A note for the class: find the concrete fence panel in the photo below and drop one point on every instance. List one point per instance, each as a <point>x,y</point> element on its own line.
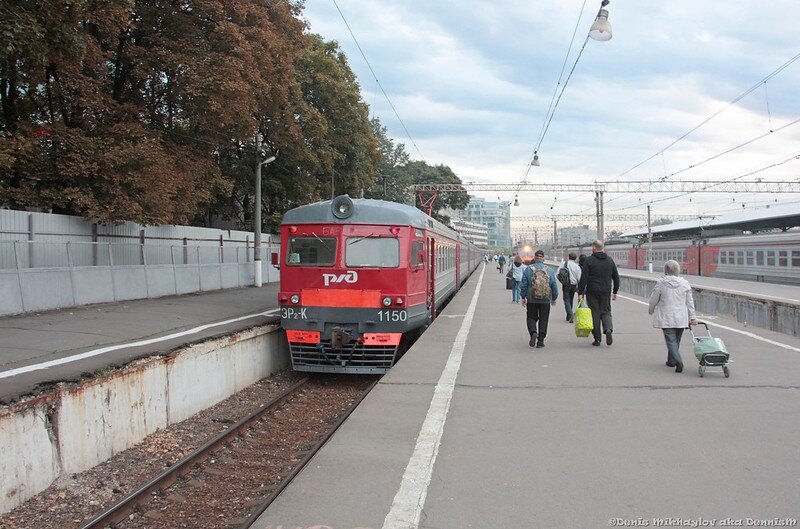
<point>187,279</point>
<point>130,282</point>
<point>46,289</point>
<point>93,285</point>
<point>10,293</point>
<point>160,280</point>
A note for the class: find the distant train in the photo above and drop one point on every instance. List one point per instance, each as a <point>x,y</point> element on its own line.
<point>360,276</point>
<point>525,251</point>
<point>770,258</point>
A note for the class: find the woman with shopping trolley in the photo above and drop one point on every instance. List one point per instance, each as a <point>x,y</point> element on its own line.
<point>672,308</point>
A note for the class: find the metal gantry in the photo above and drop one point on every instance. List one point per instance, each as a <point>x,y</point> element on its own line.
<point>627,186</point>
<point>630,186</point>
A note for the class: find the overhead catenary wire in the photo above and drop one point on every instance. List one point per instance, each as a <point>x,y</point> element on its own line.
<point>715,114</point>
<point>643,189</point>
<point>551,108</point>
<point>374,76</point>
<point>795,156</point>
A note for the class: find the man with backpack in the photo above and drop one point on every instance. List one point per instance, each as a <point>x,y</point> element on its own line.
<point>539,291</point>
<point>569,275</point>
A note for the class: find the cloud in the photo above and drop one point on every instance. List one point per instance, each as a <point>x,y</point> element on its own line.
<point>472,81</point>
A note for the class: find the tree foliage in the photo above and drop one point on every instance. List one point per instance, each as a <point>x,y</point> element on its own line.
<point>150,110</point>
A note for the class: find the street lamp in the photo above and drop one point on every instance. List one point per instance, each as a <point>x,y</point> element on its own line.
<point>257,220</point>
<point>601,29</point>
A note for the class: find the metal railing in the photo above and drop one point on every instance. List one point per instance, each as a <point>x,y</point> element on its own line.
<point>20,255</point>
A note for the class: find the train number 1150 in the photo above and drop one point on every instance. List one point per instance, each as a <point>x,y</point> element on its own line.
<point>392,315</point>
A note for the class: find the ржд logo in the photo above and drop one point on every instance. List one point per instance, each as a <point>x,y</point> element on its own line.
<point>348,277</point>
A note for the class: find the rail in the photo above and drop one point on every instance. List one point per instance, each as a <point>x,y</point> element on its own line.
<point>119,511</point>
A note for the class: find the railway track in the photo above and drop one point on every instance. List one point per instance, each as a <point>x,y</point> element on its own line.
<point>228,481</point>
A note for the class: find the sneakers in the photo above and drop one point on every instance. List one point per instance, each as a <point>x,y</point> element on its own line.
<point>670,364</point>
<point>596,342</point>
<point>539,345</point>
<point>532,343</point>
<point>679,368</point>
<point>609,339</point>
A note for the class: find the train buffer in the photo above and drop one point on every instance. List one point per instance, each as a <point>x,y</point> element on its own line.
<point>473,428</point>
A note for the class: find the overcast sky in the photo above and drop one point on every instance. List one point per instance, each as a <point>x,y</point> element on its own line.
<point>472,81</point>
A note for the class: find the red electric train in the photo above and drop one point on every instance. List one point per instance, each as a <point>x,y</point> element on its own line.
<point>767,257</point>
<point>360,276</point>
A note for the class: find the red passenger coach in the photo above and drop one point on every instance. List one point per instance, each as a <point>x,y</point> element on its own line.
<point>359,277</point>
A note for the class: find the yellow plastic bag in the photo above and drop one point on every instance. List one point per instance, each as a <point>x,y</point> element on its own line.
<point>583,320</point>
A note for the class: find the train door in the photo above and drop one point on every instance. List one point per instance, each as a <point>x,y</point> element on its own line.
<point>458,265</point>
<point>432,264</point>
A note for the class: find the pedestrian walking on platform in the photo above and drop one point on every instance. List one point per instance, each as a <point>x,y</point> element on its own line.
<point>539,292</point>
<point>599,282</point>
<point>569,275</point>
<point>501,263</point>
<point>517,270</point>
<point>672,308</point>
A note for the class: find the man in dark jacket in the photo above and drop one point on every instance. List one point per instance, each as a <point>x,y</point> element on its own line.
<point>598,274</point>
<point>538,308</point>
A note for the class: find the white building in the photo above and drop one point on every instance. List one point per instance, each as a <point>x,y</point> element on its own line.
<point>472,231</point>
<point>496,216</point>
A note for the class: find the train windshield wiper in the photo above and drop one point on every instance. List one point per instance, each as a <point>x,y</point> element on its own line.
<point>323,242</point>
<point>354,241</point>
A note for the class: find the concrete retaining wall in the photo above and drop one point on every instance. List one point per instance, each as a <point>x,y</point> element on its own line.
<point>39,289</point>
<point>75,427</point>
<point>763,312</point>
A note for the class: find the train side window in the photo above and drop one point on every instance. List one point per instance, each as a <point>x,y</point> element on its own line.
<point>783,258</point>
<point>723,257</point>
<point>381,252</point>
<point>770,258</point>
<point>796,259</point>
<point>417,253</point>
<point>311,251</point>
<point>760,257</point>
<point>739,257</point>
<point>749,257</point>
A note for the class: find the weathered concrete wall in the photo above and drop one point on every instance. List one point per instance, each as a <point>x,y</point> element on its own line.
<point>763,312</point>
<point>75,427</point>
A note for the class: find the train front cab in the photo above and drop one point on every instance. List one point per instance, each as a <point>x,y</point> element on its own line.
<point>350,292</point>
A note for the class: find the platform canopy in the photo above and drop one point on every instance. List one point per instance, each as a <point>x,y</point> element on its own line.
<point>782,217</point>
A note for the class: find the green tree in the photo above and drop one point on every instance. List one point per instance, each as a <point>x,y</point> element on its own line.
<point>422,173</point>
<point>391,179</point>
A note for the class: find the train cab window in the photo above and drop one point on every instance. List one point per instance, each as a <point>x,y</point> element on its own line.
<point>417,253</point>
<point>783,258</point>
<point>311,251</point>
<point>381,252</point>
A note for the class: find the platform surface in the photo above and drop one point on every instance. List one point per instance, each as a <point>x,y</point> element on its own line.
<point>785,293</point>
<point>32,340</point>
<point>566,436</point>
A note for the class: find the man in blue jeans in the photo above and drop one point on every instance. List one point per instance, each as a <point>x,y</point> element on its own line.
<point>539,292</point>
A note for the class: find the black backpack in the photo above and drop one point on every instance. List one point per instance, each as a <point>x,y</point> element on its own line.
<point>563,276</point>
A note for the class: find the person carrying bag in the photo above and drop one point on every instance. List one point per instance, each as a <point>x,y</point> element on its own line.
<point>583,320</point>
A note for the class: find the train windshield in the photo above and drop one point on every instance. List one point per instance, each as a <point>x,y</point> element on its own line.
<point>311,251</point>
<point>382,252</point>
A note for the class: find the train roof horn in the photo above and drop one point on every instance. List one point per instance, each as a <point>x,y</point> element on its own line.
<point>342,206</point>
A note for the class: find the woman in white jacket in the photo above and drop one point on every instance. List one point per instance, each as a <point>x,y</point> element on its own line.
<point>516,269</point>
<point>672,307</point>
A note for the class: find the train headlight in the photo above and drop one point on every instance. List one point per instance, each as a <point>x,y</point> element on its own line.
<point>387,301</point>
<point>295,299</point>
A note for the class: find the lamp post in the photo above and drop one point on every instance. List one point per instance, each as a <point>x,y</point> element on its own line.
<point>257,220</point>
